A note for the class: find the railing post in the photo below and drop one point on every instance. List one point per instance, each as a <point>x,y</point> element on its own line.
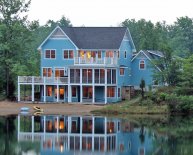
<point>32,88</point>
<point>105,86</point>
<point>18,89</point>
<point>44,89</point>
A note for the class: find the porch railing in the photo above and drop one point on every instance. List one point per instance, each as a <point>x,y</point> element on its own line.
<point>42,80</point>
<point>93,61</point>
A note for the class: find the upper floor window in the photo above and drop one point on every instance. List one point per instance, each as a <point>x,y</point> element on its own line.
<point>109,54</point>
<point>68,54</point>
<point>117,54</point>
<point>99,54</point>
<point>50,54</point>
<point>47,72</point>
<point>125,54</point>
<point>141,64</point>
<point>122,71</point>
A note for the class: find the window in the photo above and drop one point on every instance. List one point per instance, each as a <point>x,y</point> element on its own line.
<point>110,91</point>
<point>119,92</point>
<point>50,54</point>
<point>47,72</point>
<point>73,91</point>
<point>122,71</point>
<point>99,54</point>
<point>59,72</point>
<point>117,54</point>
<point>125,54</point>
<point>109,54</point>
<point>141,64</point>
<point>49,91</point>
<point>68,54</point>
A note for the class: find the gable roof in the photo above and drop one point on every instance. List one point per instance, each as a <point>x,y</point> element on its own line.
<point>149,54</point>
<point>96,37</point>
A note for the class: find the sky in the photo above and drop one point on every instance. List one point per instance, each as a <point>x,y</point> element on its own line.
<point>109,12</point>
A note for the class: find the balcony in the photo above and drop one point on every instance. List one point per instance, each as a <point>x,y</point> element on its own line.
<point>95,61</point>
<point>42,80</point>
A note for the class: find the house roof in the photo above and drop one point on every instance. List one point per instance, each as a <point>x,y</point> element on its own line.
<point>96,37</point>
<point>149,54</point>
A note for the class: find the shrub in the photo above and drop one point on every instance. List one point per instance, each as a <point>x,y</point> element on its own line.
<point>184,91</point>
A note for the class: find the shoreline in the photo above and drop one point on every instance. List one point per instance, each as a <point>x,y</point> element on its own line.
<point>13,108</point>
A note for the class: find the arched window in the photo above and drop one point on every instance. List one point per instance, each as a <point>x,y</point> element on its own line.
<point>141,64</point>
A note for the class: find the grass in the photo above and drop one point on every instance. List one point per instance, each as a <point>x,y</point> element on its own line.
<point>132,107</point>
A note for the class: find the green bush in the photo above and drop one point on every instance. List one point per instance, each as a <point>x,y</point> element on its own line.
<point>182,104</point>
<point>184,91</point>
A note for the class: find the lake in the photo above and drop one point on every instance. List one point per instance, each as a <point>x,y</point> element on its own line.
<point>95,135</point>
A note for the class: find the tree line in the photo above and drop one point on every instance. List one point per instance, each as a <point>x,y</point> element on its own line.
<point>19,39</point>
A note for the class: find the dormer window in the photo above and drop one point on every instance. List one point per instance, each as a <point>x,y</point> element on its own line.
<point>141,64</point>
<point>50,54</point>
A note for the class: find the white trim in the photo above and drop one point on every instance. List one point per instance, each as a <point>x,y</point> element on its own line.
<point>50,54</point>
<point>68,54</point>
<point>58,27</point>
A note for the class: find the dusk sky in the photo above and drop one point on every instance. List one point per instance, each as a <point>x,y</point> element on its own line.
<point>109,12</point>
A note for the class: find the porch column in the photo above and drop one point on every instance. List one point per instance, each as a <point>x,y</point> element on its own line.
<point>93,124</point>
<point>44,90</point>
<point>80,133</point>
<point>32,88</point>
<point>69,94</point>
<point>18,127</point>
<point>32,119</point>
<point>69,87</point>
<point>57,93</point>
<point>93,88</point>
<point>18,90</point>
<point>44,127</point>
<point>105,86</point>
<point>105,136</point>
<point>81,85</point>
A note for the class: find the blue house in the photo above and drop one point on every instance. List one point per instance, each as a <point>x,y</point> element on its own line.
<point>143,68</point>
<point>88,64</point>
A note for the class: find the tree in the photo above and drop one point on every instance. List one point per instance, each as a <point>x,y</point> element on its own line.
<point>186,78</point>
<point>143,33</point>
<point>14,39</point>
<point>142,86</point>
<point>169,67</point>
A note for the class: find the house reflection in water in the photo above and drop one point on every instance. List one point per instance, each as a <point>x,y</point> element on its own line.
<point>83,134</point>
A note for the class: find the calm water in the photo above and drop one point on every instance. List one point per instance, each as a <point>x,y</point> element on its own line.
<point>95,135</point>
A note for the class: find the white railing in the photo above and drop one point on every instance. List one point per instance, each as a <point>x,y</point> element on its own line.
<point>42,80</point>
<point>93,61</point>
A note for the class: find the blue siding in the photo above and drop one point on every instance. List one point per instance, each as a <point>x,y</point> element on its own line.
<point>59,45</point>
<point>137,74</point>
<point>124,80</point>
